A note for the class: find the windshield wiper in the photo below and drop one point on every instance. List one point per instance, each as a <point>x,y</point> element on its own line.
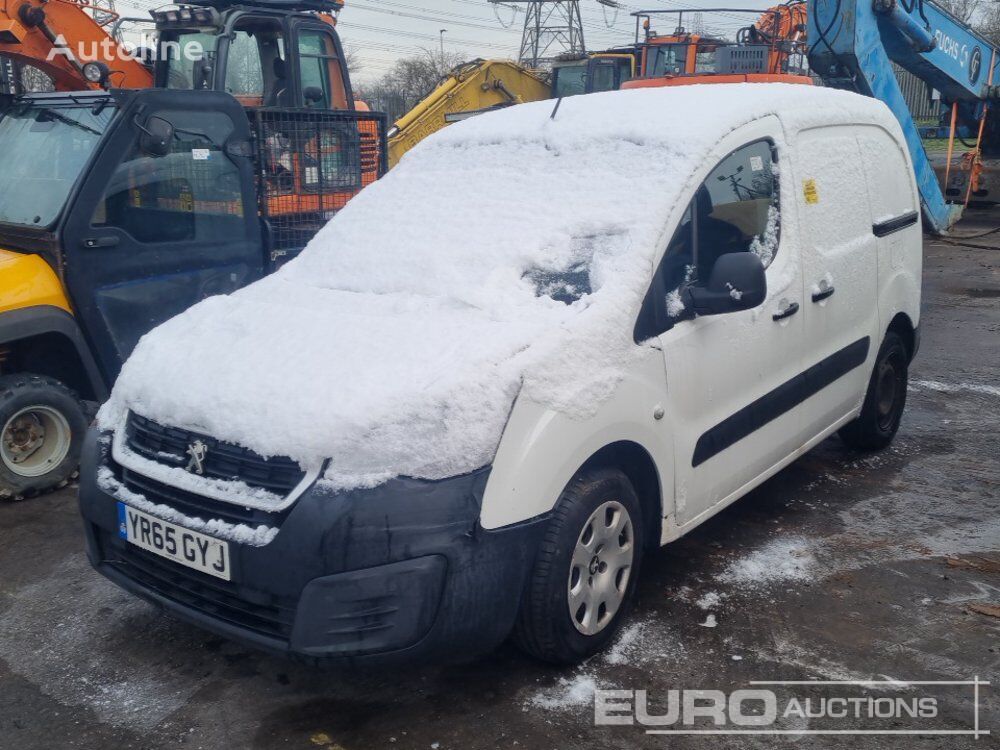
<point>69,121</point>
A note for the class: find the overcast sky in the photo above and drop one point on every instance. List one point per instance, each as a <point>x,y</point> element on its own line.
<point>381,31</point>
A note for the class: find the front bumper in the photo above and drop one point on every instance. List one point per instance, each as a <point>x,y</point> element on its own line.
<point>399,573</point>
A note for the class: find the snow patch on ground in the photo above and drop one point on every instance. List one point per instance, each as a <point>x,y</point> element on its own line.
<point>790,654</point>
<point>567,693</point>
<point>710,600</point>
<point>942,387</point>
<point>53,646</point>
<point>781,560</point>
<point>629,645</point>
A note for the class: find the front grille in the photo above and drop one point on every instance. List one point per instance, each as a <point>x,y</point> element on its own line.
<point>214,597</point>
<point>169,446</point>
<point>191,504</point>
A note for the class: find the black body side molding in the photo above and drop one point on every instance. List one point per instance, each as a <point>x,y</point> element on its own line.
<point>883,228</point>
<point>782,399</point>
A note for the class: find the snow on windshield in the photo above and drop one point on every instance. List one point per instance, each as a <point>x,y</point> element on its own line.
<point>505,254</point>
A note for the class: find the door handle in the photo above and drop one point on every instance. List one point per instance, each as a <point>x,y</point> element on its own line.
<point>793,307</point>
<point>823,294</point>
<point>110,241</point>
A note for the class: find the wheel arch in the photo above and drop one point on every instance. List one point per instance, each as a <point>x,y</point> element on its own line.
<point>46,340</point>
<point>902,326</point>
<point>638,465</point>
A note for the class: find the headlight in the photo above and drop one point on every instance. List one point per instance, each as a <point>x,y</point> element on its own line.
<point>96,72</point>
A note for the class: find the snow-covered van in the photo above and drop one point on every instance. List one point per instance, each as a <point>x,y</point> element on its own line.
<point>546,343</point>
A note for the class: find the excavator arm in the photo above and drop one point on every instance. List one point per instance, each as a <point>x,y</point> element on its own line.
<point>59,37</point>
<point>471,88</point>
<point>854,42</point>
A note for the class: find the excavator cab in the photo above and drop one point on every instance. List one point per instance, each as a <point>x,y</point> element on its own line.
<point>264,56</point>
<point>679,54</point>
<point>770,49</point>
<point>585,74</point>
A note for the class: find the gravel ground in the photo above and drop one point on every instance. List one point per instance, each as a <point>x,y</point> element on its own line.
<point>843,567</point>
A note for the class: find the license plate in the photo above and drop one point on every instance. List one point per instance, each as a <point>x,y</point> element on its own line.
<point>189,548</point>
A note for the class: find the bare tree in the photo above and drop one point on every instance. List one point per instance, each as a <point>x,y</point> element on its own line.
<point>352,60</point>
<point>989,23</point>
<point>964,10</point>
<point>409,80</point>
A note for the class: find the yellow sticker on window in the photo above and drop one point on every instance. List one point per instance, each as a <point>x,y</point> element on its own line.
<point>810,191</point>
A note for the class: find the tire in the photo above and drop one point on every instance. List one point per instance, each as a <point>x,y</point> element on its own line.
<point>42,426</point>
<point>563,587</point>
<point>885,399</point>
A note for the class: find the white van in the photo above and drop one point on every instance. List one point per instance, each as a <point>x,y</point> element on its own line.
<point>546,343</point>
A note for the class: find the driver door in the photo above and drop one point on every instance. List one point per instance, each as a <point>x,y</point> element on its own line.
<point>726,373</point>
<point>149,234</point>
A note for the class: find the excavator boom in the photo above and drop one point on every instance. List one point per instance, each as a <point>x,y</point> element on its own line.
<point>852,46</point>
<point>469,89</point>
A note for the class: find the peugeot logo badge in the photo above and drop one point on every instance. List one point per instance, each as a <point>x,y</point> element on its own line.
<point>197,451</point>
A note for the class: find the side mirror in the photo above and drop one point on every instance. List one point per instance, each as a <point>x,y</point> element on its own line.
<point>156,136</point>
<point>313,94</point>
<point>201,74</point>
<point>737,282</point>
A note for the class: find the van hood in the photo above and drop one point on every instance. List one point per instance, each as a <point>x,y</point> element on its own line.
<point>381,384</point>
<point>506,254</point>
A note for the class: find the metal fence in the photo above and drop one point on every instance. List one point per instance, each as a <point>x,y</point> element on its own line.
<point>309,164</point>
<point>917,96</point>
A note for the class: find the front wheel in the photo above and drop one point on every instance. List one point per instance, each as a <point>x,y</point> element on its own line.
<point>584,577</point>
<point>42,426</point>
<point>885,399</point>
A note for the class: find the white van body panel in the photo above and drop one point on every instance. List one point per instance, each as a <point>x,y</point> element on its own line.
<point>541,449</point>
<point>702,370</point>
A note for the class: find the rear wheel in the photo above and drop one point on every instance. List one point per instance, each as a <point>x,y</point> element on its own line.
<point>885,400</point>
<point>42,426</point>
<point>583,580</point>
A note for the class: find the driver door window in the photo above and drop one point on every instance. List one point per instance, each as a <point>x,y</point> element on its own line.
<point>319,71</point>
<point>734,210</point>
<point>193,193</point>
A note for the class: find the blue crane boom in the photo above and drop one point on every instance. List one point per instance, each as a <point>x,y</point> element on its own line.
<point>853,44</point>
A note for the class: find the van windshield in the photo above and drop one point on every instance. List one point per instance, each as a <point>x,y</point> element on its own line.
<point>45,147</point>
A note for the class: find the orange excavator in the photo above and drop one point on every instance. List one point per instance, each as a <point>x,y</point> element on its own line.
<point>773,48</point>
<point>61,37</point>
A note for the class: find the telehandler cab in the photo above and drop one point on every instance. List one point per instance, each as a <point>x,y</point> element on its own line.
<point>121,208</point>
